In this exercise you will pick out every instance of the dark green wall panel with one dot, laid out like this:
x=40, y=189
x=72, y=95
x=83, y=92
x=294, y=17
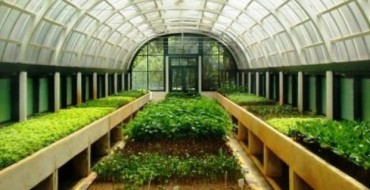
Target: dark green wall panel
x=87, y=88
x=263, y=85
x=346, y=98
x=253, y=83
x=312, y=94
x=274, y=87
x=101, y=87
x=69, y=91
x=365, y=99
x=290, y=90
x=30, y=96
x=5, y=100
x=323, y=96
x=44, y=95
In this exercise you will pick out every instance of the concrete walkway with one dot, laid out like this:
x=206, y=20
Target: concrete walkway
x=252, y=175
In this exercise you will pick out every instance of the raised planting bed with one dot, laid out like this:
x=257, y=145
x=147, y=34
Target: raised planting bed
x=345, y=144
x=46, y=142
x=176, y=118
x=279, y=155
x=176, y=142
x=283, y=118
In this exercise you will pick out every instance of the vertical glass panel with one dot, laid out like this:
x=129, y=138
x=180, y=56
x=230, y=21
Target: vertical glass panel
x=210, y=80
x=155, y=47
x=218, y=65
x=139, y=80
x=183, y=45
x=156, y=80
x=156, y=63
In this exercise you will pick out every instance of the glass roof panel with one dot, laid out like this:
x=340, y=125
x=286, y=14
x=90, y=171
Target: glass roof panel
x=101, y=11
x=265, y=32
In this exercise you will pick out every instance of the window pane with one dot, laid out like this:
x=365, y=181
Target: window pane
x=156, y=80
x=139, y=80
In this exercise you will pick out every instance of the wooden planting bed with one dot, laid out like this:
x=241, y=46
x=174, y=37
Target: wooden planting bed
x=176, y=142
x=277, y=155
x=40, y=170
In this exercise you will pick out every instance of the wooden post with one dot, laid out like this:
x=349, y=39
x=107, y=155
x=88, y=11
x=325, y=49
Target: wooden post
x=300, y=92
x=115, y=83
x=106, y=85
x=329, y=94
x=56, y=92
x=281, y=88
x=79, y=88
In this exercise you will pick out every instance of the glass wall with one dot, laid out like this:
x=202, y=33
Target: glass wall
x=148, y=68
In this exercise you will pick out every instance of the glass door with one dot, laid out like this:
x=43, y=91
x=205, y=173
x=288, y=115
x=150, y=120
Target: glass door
x=183, y=74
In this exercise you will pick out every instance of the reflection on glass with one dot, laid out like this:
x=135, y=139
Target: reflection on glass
x=183, y=74
x=218, y=65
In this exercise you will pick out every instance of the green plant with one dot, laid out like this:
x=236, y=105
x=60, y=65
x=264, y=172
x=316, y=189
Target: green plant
x=113, y=101
x=22, y=139
x=132, y=93
x=229, y=88
x=136, y=170
x=176, y=118
x=186, y=94
x=276, y=111
x=288, y=126
x=349, y=139
x=248, y=99
x=19, y=140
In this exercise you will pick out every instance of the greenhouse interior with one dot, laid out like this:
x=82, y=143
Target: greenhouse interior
x=184, y=94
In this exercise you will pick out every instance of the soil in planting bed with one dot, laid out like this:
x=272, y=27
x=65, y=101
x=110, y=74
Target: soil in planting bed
x=172, y=186
x=353, y=170
x=178, y=147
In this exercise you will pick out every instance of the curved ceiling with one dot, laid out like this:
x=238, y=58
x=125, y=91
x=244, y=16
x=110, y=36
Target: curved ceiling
x=260, y=33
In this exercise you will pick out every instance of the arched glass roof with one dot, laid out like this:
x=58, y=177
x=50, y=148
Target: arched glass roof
x=107, y=33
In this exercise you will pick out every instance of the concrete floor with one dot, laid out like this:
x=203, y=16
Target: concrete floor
x=252, y=174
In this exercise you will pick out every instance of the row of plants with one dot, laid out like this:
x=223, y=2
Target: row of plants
x=244, y=99
x=348, y=139
x=178, y=123
x=178, y=118
x=230, y=88
x=19, y=140
x=136, y=170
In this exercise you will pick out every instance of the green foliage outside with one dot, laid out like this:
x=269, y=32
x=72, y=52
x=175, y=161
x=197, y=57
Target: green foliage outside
x=19, y=140
x=176, y=118
x=143, y=168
